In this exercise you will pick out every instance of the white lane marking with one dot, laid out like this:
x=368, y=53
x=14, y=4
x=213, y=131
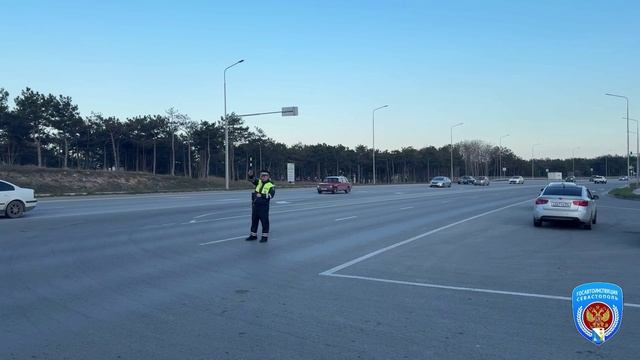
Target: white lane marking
x=356, y=203
x=158, y=226
x=467, y=289
x=330, y=205
x=347, y=218
x=399, y=193
x=410, y=240
x=282, y=202
x=618, y=207
x=223, y=240
x=205, y=215
x=139, y=197
x=406, y=208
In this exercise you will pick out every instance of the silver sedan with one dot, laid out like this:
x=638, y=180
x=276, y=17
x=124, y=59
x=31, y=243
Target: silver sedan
x=440, y=181
x=565, y=202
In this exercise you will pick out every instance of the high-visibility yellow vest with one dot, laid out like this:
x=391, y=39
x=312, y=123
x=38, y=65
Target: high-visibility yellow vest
x=263, y=188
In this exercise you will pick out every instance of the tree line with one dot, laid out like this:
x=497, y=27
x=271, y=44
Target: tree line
x=49, y=131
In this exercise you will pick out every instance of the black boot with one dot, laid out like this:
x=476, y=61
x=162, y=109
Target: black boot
x=264, y=239
x=251, y=238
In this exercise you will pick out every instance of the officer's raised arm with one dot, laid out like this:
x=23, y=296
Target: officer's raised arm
x=252, y=178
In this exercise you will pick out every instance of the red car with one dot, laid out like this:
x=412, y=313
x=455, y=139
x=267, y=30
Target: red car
x=334, y=184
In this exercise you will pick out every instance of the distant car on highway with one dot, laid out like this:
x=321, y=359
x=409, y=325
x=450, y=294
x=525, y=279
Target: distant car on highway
x=440, y=181
x=565, y=202
x=623, y=178
x=15, y=201
x=334, y=184
x=466, y=180
x=516, y=180
x=482, y=181
x=571, y=179
x=599, y=180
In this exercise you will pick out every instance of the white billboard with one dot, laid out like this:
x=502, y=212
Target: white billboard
x=291, y=172
x=554, y=176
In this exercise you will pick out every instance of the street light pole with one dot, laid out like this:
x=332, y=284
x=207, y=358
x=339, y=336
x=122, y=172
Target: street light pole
x=532, y=146
x=226, y=127
x=637, y=150
x=500, y=154
x=373, y=124
x=628, y=163
x=451, y=147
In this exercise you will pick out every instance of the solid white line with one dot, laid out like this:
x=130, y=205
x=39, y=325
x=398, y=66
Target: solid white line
x=223, y=240
x=407, y=208
x=347, y=218
x=461, y=288
x=404, y=242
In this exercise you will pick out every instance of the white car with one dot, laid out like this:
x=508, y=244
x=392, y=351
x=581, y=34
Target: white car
x=14, y=200
x=599, y=180
x=516, y=180
x=566, y=202
x=440, y=181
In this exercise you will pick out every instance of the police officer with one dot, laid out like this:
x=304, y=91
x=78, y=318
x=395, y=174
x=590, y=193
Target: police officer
x=263, y=193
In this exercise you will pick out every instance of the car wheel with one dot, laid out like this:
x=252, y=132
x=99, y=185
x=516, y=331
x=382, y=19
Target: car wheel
x=15, y=209
x=587, y=226
x=319, y=192
x=537, y=223
x=333, y=191
x=595, y=218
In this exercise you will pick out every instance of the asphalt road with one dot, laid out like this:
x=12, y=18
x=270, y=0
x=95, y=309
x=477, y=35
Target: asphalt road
x=386, y=272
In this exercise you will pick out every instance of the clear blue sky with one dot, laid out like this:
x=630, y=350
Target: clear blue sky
x=536, y=70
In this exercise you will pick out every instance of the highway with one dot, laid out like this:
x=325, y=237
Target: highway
x=385, y=272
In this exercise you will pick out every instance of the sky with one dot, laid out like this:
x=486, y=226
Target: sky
x=535, y=70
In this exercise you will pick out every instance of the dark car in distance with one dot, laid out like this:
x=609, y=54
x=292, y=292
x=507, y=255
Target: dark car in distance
x=466, y=180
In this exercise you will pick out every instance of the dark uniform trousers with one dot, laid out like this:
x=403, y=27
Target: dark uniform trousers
x=260, y=213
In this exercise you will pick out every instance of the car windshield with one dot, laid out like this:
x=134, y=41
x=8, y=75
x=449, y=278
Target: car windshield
x=438, y=179
x=563, y=190
x=332, y=180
